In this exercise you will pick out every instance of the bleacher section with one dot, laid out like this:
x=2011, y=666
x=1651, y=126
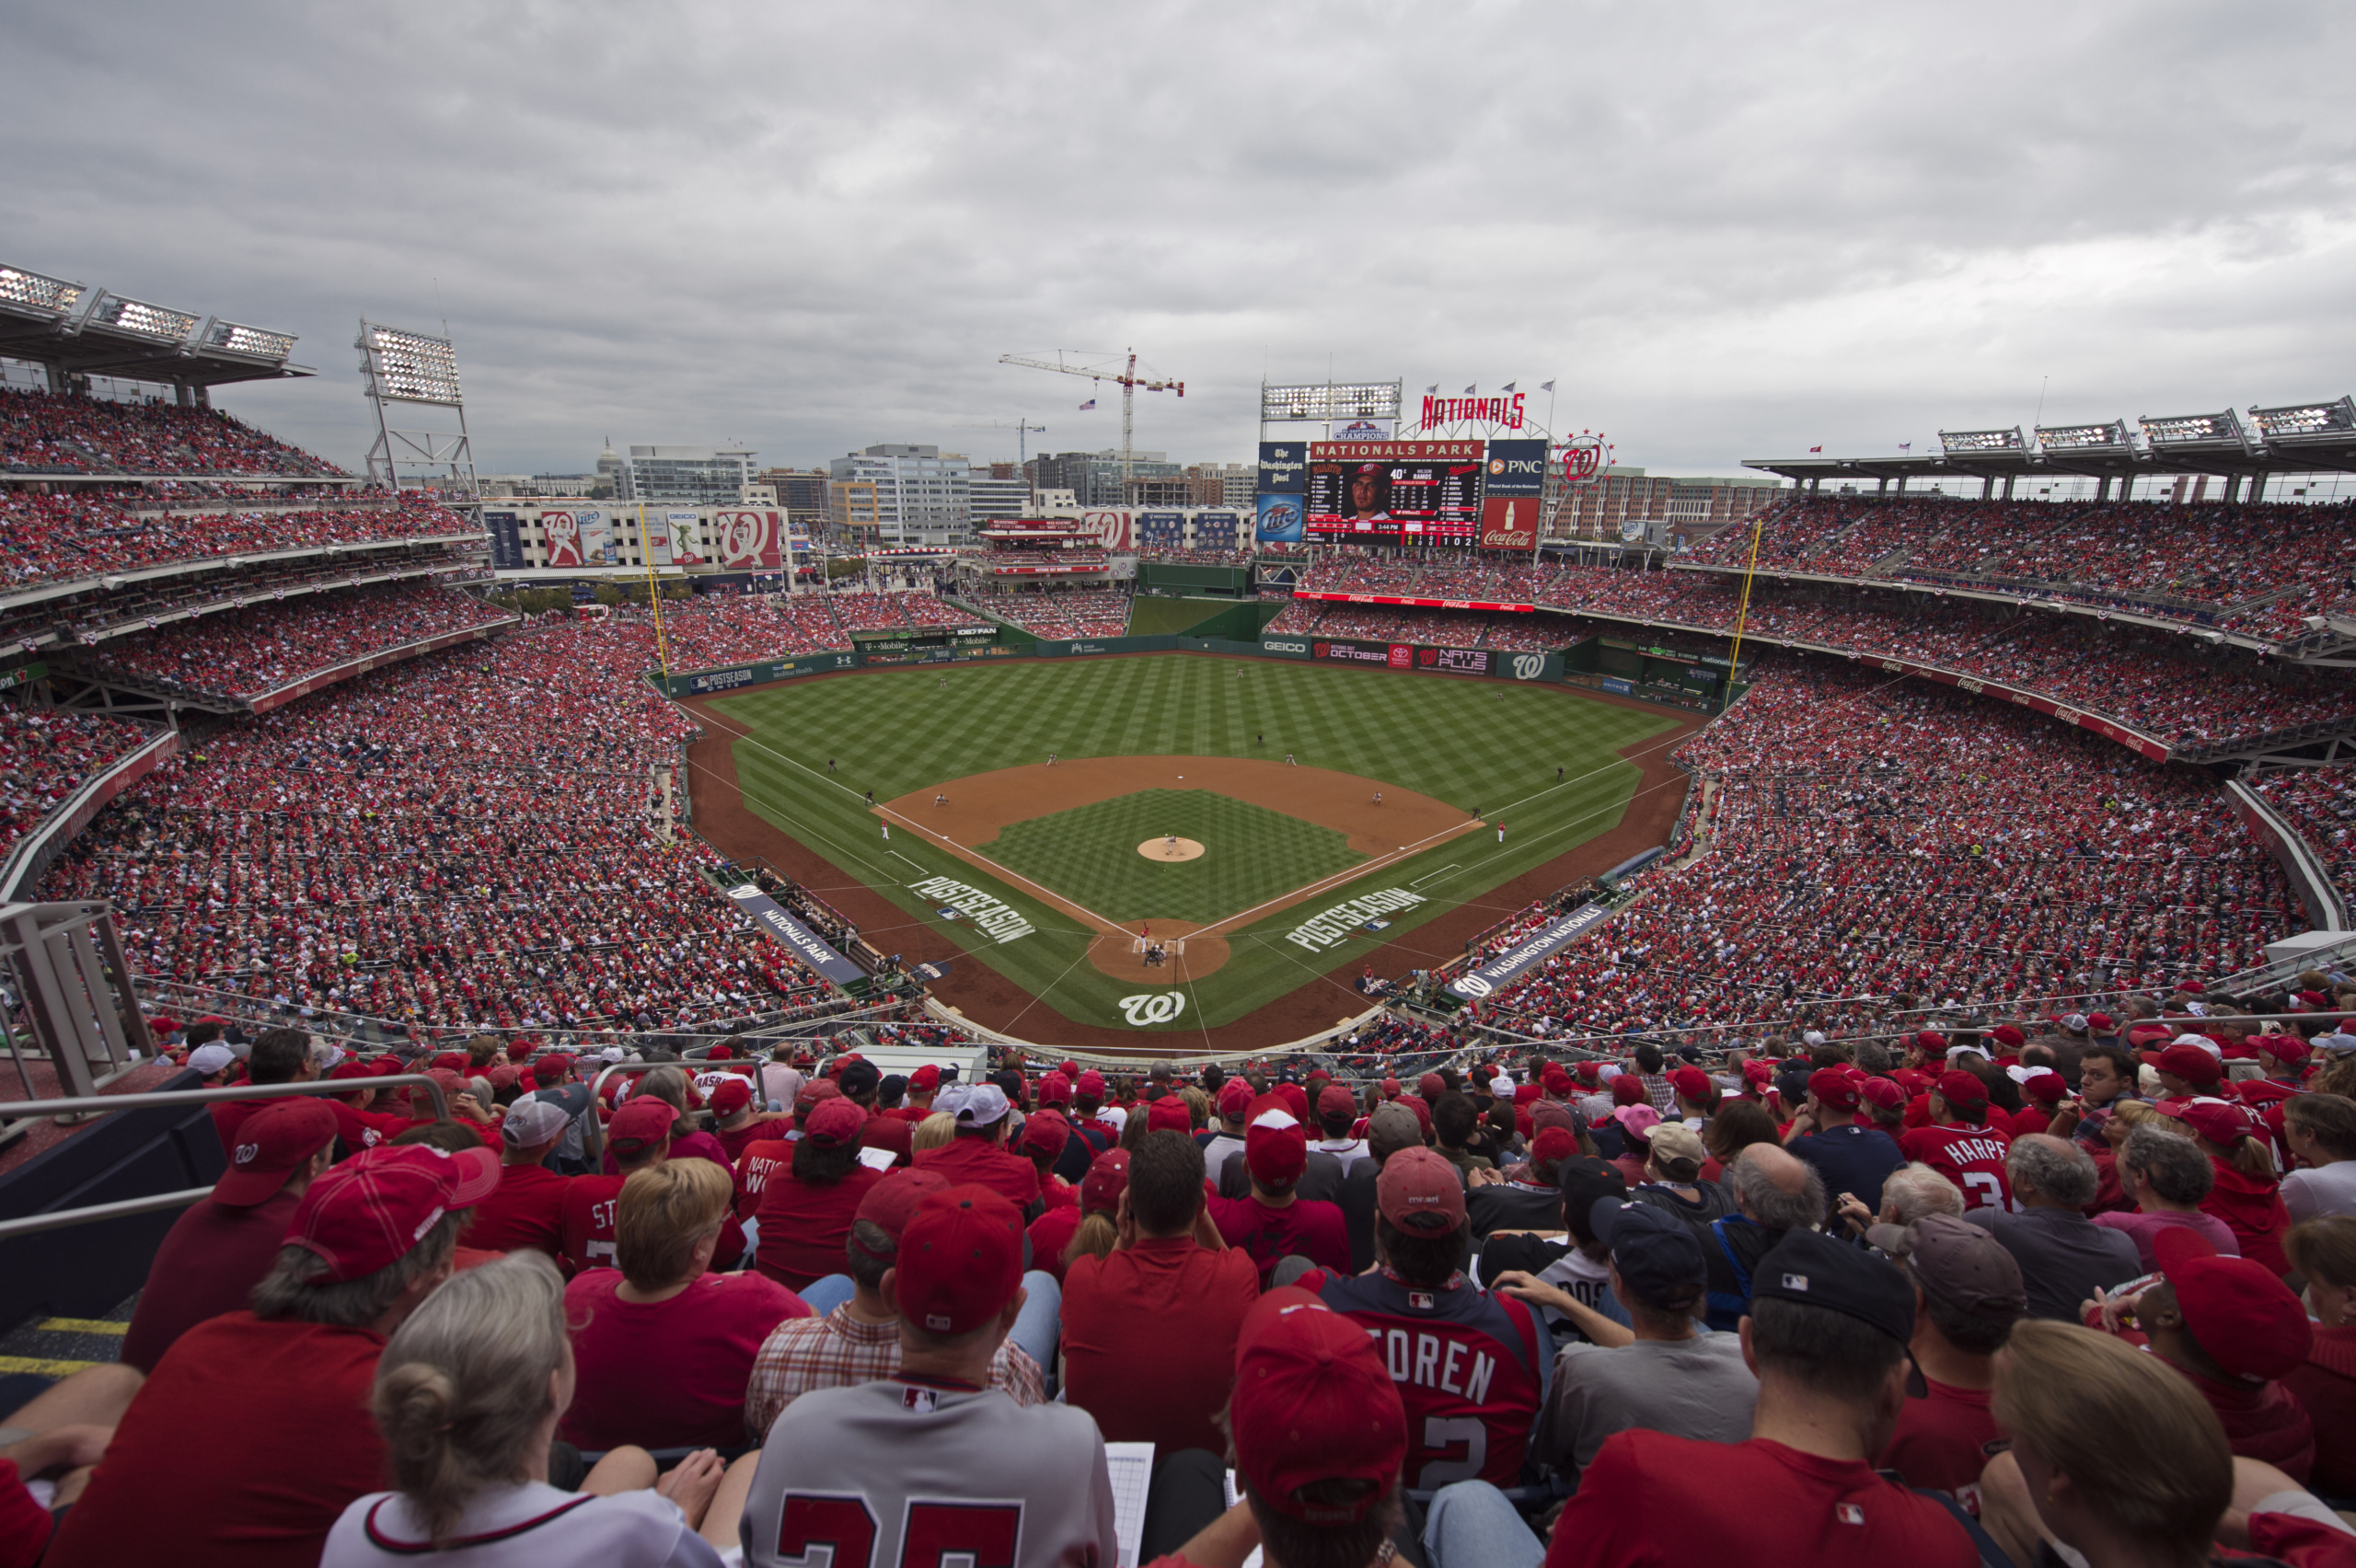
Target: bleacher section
x=42, y=433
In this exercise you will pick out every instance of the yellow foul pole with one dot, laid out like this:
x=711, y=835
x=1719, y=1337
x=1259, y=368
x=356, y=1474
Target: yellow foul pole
x=654, y=597
x=1742, y=609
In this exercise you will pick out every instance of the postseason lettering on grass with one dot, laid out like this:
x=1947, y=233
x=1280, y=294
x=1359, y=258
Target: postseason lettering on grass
x=1329, y=927
x=1001, y=923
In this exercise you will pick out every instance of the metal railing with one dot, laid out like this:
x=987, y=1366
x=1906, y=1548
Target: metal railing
x=58, y=1219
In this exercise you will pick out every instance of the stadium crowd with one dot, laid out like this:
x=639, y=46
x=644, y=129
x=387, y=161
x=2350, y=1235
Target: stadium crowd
x=2319, y=803
x=270, y=644
x=68, y=536
x=46, y=756
x=1806, y=1307
x=2258, y=568
x=43, y=432
x=1066, y=613
x=468, y=838
x=1871, y=839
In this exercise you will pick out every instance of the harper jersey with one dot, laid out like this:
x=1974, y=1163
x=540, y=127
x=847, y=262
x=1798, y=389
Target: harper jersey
x=1471, y=1369
x=912, y=1473
x=1971, y=1158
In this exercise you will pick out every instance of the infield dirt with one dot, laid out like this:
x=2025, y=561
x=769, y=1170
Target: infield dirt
x=992, y=999
x=959, y=814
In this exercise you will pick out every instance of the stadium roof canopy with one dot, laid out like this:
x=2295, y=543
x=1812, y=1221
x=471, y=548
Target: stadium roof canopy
x=85, y=331
x=2294, y=438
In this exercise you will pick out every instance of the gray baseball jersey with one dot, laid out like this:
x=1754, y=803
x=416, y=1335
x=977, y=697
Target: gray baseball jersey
x=910, y=1474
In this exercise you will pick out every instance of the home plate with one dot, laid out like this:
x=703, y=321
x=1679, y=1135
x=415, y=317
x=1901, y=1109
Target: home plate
x=1170, y=850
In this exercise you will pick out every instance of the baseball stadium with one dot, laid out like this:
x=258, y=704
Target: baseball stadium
x=1840, y=939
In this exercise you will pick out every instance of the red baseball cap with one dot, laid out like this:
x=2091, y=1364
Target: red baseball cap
x=960, y=1260
x=1333, y=1100
x=2191, y=1063
x=1835, y=1088
x=1234, y=1098
x=2005, y=1034
x=833, y=1122
x=1168, y=1114
x=1691, y=1082
x=1313, y=1402
x=1959, y=1088
x=927, y=1078
x=1053, y=1089
x=1887, y=1093
x=639, y=1123
x=365, y=1214
x=1390, y=1086
x=1276, y=1149
x=1047, y=1132
x=2286, y=1048
x=729, y=1096
x=1758, y=1072
x=2219, y=1121
x=271, y=1143
x=2045, y=1086
x=1419, y=1190
x=1547, y=1150
x=2244, y=1318
x=888, y=1203
x=451, y=1061
x=1091, y=1083
x=1626, y=1090
x=1108, y=1179
x=1431, y=1086
x=2100, y=1023
x=1070, y=1071
x=548, y=1070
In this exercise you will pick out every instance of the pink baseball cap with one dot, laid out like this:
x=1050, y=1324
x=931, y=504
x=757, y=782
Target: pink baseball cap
x=365, y=1214
x=1419, y=1190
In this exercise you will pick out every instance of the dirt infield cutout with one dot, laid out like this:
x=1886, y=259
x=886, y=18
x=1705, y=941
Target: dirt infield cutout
x=1381, y=820
x=1170, y=850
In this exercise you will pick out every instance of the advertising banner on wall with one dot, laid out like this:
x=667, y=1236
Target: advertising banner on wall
x=1277, y=521
x=596, y=537
x=1365, y=430
x=1509, y=523
x=1215, y=530
x=506, y=540
x=1282, y=468
x=686, y=546
x=746, y=541
x=806, y=944
x=560, y=538
x=1530, y=953
x=1415, y=490
x=1111, y=529
x=1162, y=528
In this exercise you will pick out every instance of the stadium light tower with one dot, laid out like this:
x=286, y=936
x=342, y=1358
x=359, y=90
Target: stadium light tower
x=409, y=367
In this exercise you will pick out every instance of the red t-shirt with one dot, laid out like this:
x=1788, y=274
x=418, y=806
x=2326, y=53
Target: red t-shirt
x=24, y=1524
x=978, y=1160
x=2326, y=1387
x=737, y=1140
x=804, y=1229
x=1944, y=1441
x=209, y=1263
x=527, y=1209
x=2262, y=1421
x=1650, y=1499
x=1305, y=1227
x=1971, y=1158
x=1162, y=1304
x=290, y=1398
x=761, y=1159
x=1050, y=1234
x=357, y=1129
x=586, y=1221
x=670, y=1374
x=227, y=1115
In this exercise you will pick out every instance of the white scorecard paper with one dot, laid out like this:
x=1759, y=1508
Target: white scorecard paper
x=1130, y=1466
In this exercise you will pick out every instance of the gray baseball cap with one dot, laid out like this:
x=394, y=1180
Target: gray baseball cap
x=531, y=1122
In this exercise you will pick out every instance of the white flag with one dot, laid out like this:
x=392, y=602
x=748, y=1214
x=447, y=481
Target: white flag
x=1508, y=385
x=1545, y=386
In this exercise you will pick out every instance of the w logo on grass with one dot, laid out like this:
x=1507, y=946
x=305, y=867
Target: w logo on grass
x=1154, y=1007
x=1526, y=666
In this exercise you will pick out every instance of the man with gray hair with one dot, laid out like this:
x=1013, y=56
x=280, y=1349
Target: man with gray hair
x=1908, y=1193
x=2063, y=1254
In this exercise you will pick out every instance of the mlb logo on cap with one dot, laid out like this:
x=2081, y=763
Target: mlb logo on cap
x=1794, y=1282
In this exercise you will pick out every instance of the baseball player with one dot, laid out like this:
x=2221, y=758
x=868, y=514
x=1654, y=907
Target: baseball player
x=941, y=799
x=1501, y=833
x=931, y=1463
x=1288, y=762
x=871, y=797
x=1051, y=759
x=1378, y=797
x=1171, y=844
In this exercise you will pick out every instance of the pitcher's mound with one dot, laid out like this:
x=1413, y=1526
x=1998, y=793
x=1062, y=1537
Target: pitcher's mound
x=1170, y=850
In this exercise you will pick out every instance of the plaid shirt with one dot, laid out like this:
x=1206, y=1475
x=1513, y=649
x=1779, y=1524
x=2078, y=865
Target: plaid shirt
x=1661, y=1092
x=805, y=1355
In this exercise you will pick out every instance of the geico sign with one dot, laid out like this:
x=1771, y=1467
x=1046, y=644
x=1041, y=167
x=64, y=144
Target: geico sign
x=1152, y=1008
x=1282, y=645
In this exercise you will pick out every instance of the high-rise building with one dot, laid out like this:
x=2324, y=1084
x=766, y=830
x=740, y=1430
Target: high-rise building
x=1227, y=484
x=921, y=495
x=1095, y=477
x=1000, y=492
x=683, y=476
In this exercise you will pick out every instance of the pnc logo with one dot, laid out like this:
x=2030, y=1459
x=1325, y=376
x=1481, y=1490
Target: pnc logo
x=1152, y=1008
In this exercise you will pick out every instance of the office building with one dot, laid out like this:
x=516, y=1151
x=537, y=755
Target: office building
x=1002, y=491
x=921, y=496
x=683, y=476
x=1095, y=477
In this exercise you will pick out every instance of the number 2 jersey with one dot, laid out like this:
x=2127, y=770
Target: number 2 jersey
x=911, y=1473
x=1471, y=1369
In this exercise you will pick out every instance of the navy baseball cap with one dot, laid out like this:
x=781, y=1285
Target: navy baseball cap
x=1659, y=1259
x=1584, y=1182
x=1812, y=1268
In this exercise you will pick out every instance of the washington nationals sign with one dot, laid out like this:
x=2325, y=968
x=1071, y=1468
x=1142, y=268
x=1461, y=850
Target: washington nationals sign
x=1154, y=1007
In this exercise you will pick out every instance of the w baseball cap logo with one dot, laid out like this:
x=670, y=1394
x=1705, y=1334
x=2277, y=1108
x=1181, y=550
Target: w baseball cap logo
x=246, y=1153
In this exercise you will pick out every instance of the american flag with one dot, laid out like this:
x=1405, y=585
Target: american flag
x=1089, y=404
x=1906, y=446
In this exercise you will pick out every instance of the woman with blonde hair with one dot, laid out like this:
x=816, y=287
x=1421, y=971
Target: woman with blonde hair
x=936, y=1131
x=665, y=1346
x=468, y=1395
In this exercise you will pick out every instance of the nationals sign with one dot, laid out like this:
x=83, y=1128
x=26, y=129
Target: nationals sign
x=746, y=541
x=562, y=531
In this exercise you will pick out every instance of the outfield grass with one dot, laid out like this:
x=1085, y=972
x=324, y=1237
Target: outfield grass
x=1488, y=747
x=1090, y=855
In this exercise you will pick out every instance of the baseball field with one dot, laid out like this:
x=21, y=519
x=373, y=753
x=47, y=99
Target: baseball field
x=1273, y=827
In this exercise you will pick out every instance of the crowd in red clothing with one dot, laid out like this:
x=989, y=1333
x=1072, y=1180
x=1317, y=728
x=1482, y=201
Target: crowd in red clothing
x=1869, y=837
x=1427, y=1311
x=267, y=645
x=712, y=629
x=43, y=432
x=2319, y=804
x=1067, y=612
x=471, y=836
x=70, y=535
x=46, y=756
x=2210, y=561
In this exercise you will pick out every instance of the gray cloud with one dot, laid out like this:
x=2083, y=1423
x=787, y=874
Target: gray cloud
x=1727, y=230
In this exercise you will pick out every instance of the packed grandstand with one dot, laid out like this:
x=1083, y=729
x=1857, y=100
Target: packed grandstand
x=619, y=1232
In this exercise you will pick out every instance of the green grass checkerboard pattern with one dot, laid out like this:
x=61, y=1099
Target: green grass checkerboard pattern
x=1491, y=747
x=1090, y=855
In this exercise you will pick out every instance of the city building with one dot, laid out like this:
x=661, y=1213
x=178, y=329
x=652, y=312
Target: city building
x=1000, y=492
x=1237, y=483
x=683, y=476
x=1095, y=477
x=920, y=493
x=801, y=491
x=1630, y=505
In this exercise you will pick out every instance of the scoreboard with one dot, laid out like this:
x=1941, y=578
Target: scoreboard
x=1396, y=491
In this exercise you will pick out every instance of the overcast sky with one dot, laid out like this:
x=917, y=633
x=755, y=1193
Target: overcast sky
x=1725, y=231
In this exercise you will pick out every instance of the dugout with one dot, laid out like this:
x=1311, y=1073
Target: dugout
x=1652, y=667
x=1179, y=579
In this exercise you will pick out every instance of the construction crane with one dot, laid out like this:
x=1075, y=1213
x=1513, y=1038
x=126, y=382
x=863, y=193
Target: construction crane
x=1022, y=429
x=1130, y=381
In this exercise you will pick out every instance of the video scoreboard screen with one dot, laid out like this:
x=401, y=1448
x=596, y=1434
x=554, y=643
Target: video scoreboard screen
x=1396, y=490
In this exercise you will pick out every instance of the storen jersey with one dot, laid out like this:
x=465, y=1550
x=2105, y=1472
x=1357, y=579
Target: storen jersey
x=907, y=1473
x=1471, y=1369
x=1971, y=1158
